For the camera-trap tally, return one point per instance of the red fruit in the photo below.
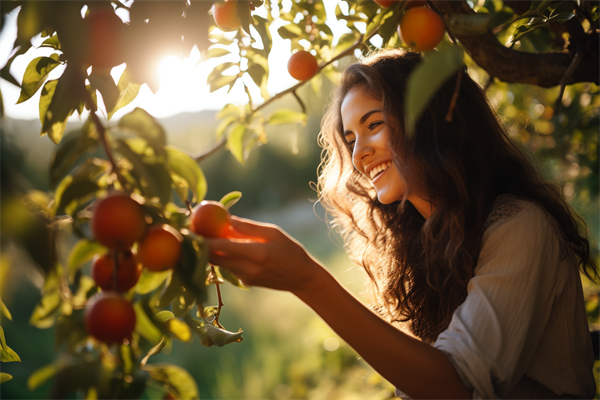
(105, 38)
(160, 248)
(385, 3)
(421, 28)
(110, 318)
(211, 219)
(226, 15)
(118, 222)
(129, 271)
(302, 65)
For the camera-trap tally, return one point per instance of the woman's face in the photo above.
(368, 136)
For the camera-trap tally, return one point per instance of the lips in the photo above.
(378, 169)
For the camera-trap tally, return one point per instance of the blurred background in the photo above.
(287, 351)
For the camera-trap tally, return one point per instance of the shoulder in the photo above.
(515, 216)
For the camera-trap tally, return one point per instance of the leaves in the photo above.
(435, 68)
(150, 281)
(230, 199)
(6, 353)
(35, 74)
(187, 168)
(141, 123)
(41, 376)
(5, 311)
(128, 91)
(176, 378)
(470, 24)
(103, 82)
(82, 252)
(4, 377)
(287, 117)
(235, 142)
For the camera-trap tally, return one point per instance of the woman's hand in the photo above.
(273, 259)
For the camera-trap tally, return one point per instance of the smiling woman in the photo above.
(470, 252)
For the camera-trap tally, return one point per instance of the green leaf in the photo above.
(243, 9)
(44, 313)
(58, 101)
(231, 278)
(179, 330)
(221, 337)
(287, 117)
(77, 190)
(388, 28)
(222, 81)
(562, 17)
(230, 110)
(224, 124)
(5, 311)
(150, 281)
(257, 73)
(155, 350)
(83, 252)
(470, 24)
(215, 52)
(435, 69)
(141, 123)
(176, 378)
(144, 325)
(230, 199)
(187, 168)
(41, 376)
(235, 142)
(73, 145)
(4, 377)
(128, 91)
(51, 42)
(35, 74)
(152, 177)
(262, 27)
(104, 82)
(6, 353)
(290, 31)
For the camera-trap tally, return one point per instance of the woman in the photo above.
(464, 242)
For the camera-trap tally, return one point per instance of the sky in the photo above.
(183, 86)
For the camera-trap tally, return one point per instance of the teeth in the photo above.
(381, 167)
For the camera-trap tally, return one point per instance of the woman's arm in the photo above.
(415, 367)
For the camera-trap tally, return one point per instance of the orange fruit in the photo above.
(104, 35)
(385, 3)
(421, 28)
(129, 271)
(118, 222)
(226, 16)
(160, 248)
(302, 65)
(110, 318)
(211, 219)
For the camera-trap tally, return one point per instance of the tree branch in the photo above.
(545, 69)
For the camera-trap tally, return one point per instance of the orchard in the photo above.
(135, 208)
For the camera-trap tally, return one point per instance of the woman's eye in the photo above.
(375, 124)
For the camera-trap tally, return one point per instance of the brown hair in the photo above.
(419, 268)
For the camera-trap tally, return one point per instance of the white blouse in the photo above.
(522, 331)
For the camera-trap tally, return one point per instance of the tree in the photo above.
(543, 43)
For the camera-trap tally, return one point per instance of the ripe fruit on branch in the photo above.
(302, 65)
(160, 248)
(211, 219)
(226, 15)
(386, 3)
(109, 317)
(118, 222)
(421, 29)
(105, 39)
(129, 271)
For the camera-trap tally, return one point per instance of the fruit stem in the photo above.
(220, 305)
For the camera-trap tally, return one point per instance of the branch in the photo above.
(343, 54)
(545, 69)
(576, 60)
(211, 151)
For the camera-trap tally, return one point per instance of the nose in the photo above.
(362, 150)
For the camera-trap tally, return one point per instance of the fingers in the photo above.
(252, 251)
(254, 229)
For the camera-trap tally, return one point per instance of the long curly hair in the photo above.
(419, 268)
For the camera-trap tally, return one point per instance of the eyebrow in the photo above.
(363, 119)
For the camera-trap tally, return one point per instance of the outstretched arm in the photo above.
(281, 263)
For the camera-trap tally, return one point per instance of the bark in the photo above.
(545, 69)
